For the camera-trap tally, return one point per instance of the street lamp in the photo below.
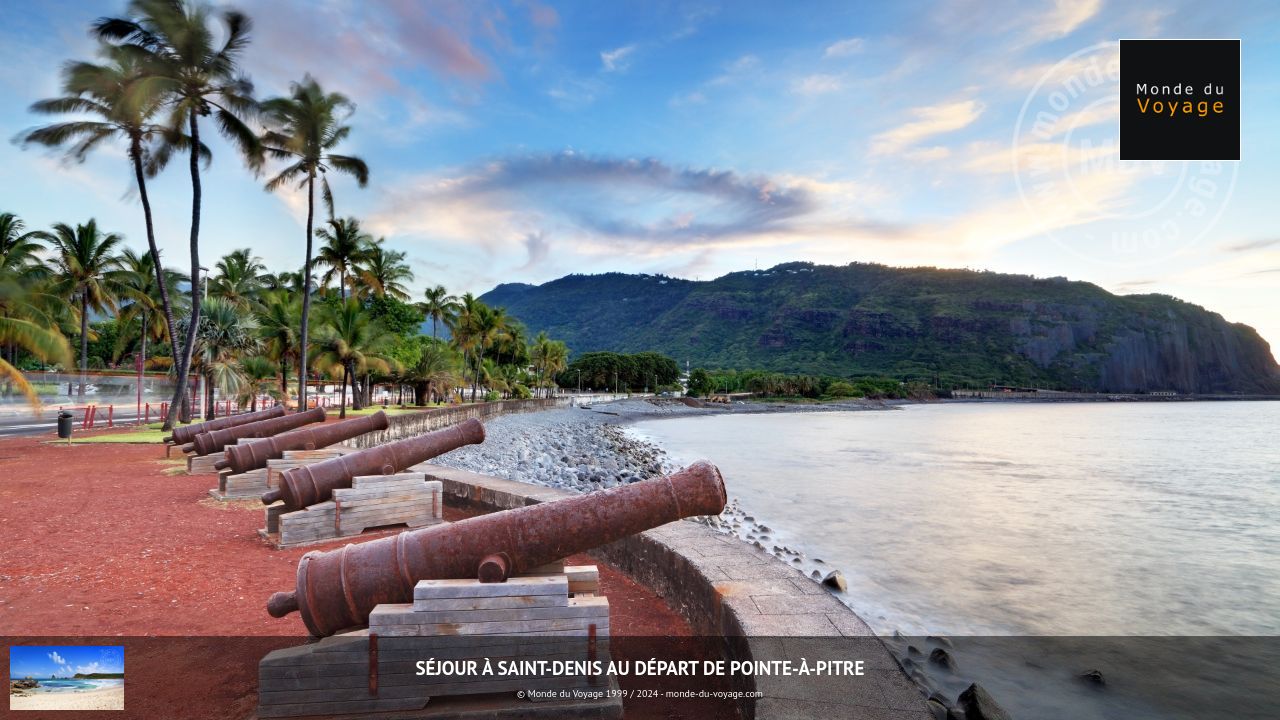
(579, 381)
(205, 270)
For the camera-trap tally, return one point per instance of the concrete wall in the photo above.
(761, 607)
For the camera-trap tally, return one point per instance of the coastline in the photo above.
(587, 448)
(107, 698)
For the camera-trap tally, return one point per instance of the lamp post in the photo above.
(205, 281)
(579, 381)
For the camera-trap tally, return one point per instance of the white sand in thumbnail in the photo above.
(108, 698)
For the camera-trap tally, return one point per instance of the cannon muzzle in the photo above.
(314, 483)
(215, 441)
(185, 433)
(339, 588)
(253, 455)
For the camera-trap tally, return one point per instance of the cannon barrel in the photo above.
(314, 483)
(215, 441)
(253, 455)
(339, 588)
(183, 434)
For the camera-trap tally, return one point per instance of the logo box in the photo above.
(1180, 99)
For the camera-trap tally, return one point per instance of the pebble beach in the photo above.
(587, 448)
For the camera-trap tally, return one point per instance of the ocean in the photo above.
(1003, 522)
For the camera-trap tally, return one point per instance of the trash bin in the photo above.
(64, 425)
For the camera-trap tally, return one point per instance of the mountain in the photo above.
(964, 327)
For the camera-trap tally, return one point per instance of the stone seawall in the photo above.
(760, 606)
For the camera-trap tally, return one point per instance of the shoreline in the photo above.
(107, 698)
(587, 448)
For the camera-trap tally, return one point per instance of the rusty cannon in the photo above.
(338, 589)
(184, 434)
(253, 455)
(211, 442)
(311, 484)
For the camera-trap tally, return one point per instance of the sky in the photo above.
(42, 661)
(522, 141)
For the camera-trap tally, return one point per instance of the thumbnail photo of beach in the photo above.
(66, 677)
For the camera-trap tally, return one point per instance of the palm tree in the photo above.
(344, 250)
(87, 271)
(304, 129)
(19, 262)
(24, 325)
(239, 277)
(465, 331)
(139, 294)
(549, 357)
(278, 317)
(198, 78)
(435, 373)
(439, 306)
(125, 104)
(20, 249)
(352, 341)
(225, 334)
(383, 272)
(259, 374)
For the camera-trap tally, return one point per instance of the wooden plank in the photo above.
(522, 585)
(513, 627)
(490, 603)
(395, 614)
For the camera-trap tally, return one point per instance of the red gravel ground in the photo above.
(110, 540)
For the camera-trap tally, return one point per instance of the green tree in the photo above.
(25, 325)
(279, 315)
(87, 271)
(197, 77)
(383, 273)
(20, 268)
(239, 278)
(226, 334)
(303, 130)
(700, 384)
(439, 306)
(259, 374)
(436, 371)
(345, 248)
(350, 340)
(125, 103)
(141, 316)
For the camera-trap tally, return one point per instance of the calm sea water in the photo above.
(1021, 519)
(74, 685)
(1042, 538)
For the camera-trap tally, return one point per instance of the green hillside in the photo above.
(963, 327)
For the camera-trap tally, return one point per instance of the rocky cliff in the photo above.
(956, 326)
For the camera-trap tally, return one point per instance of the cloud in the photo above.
(56, 658)
(692, 98)
(616, 60)
(844, 48)
(930, 120)
(93, 667)
(817, 84)
(1064, 18)
(1250, 245)
(538, 247)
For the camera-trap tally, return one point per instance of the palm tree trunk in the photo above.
(135, 152)
(209, 410)
(84, 339)
(284, 377)
(189, 344)
(342, 411)
(355, 390)
(306, 296)
(342, 285)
